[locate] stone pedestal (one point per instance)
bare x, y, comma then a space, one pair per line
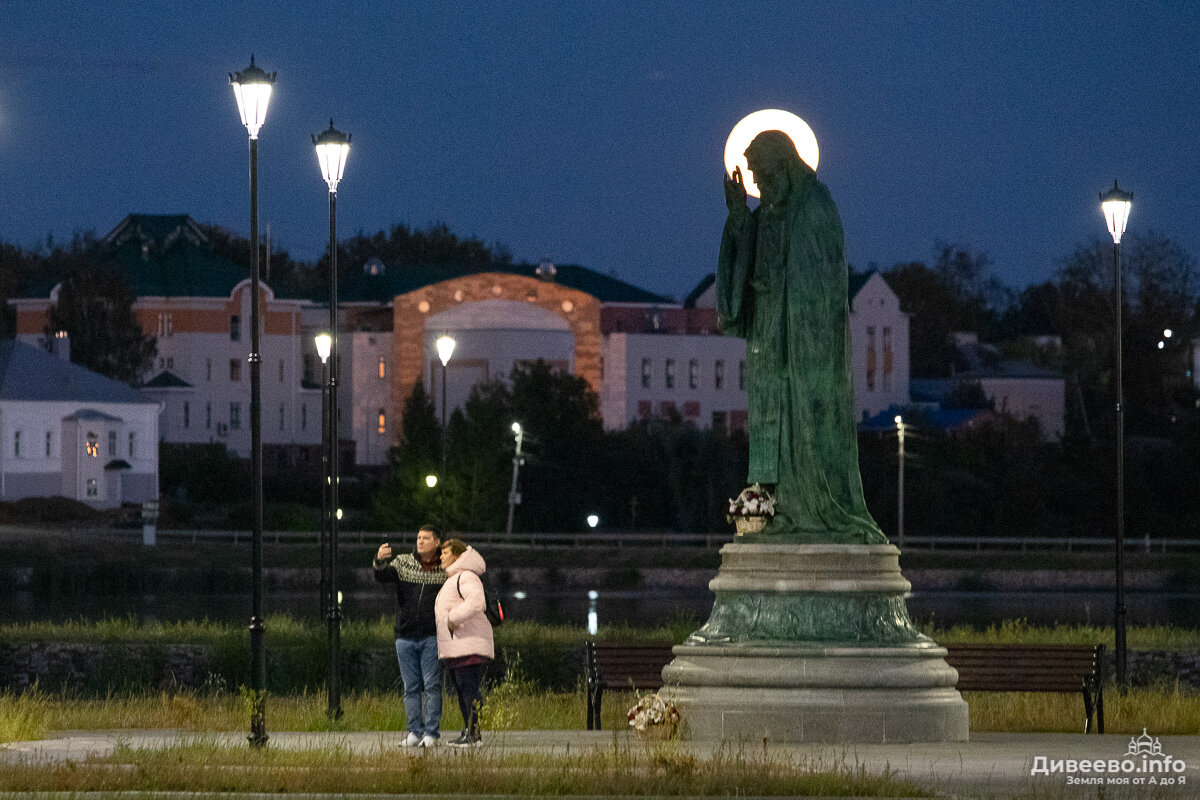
812, 643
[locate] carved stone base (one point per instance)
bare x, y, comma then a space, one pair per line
813, 643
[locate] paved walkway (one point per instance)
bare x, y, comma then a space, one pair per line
991, 764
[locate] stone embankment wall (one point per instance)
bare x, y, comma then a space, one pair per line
99, 668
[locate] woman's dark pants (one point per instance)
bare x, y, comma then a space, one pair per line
467, 682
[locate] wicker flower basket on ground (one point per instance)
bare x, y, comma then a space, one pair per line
750, 524
658, 733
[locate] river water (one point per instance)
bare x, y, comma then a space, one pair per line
603, 607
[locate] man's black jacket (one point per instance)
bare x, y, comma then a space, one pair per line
416, 590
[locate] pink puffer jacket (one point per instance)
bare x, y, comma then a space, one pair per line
472, 634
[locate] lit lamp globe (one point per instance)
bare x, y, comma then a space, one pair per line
769, 119
1116, 204
431, 481
252, 89
324, 344
593, 520
445, 348
516, 427
333, 147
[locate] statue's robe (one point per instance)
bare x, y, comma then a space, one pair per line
782, 285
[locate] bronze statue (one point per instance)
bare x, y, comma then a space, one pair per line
782, 284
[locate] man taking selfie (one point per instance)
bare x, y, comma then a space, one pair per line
418, 576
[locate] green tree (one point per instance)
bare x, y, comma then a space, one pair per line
95, 306
404, 500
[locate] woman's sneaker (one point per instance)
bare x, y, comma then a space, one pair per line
466, 740
412, 740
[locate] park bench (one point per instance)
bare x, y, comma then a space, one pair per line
632, 667
1033, 668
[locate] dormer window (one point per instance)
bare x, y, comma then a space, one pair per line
546, 270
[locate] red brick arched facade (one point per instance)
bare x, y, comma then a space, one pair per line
410, 311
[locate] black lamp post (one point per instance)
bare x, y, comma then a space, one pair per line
252, 88
332, 148
1116, 204
323, 342
445, 349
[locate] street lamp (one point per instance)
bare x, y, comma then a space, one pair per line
323, 343
445, 348
332, 148
593, 520
513, 496
900, 483
431, 481
252, 89
1115, 205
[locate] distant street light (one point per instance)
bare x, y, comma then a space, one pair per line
252, 90
1168, 333
431, 481
900, 483
445, 349
1115, 205
593, 520
513, 496
324, 342
333, 147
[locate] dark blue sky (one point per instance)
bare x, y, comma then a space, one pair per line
592, 133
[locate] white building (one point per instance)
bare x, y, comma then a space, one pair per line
66, 431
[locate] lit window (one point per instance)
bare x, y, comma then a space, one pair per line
382, 421
92, 445
382, 368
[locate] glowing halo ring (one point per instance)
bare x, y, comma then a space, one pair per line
769, 119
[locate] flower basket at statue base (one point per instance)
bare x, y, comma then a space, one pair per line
751, 510
658, 733
654, 718
746, 525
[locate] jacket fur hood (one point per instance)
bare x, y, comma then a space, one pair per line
470, 561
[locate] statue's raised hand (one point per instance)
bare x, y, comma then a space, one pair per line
735, 192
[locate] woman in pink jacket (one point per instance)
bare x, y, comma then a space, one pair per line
464, 635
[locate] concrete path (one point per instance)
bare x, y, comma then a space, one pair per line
992, 764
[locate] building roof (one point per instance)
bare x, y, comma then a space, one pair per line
30, 373
92, 415
162, 255
358, 286
166, 380
701, 287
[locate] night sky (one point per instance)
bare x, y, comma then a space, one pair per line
592, 133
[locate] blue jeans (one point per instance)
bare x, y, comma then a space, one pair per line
422, 674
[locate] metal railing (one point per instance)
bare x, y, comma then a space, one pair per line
622, 539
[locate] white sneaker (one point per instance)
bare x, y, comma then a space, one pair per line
412, 740
430, 741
